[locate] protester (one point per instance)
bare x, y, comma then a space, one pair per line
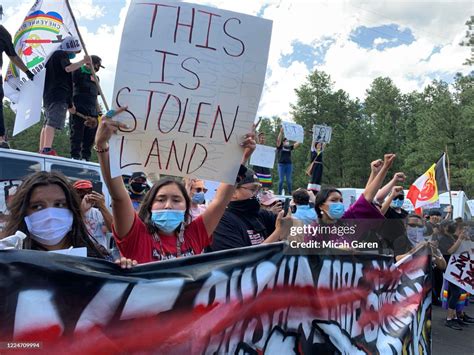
137, 188
264, 174
269, 202
330, 208
57, 95
47, 210
6, 46
285, 166
160, 230
315, 169
244, 223
97, 217
196, 190
85, 110
453, 297
304, 211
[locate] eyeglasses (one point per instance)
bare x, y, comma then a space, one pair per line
254, 190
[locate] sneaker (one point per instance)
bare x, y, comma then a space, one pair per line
466, 319
4, 145
461, 322
453, 324
49, 151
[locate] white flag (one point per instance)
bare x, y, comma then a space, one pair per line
47, 27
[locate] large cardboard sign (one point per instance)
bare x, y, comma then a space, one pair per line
191, 77
263, 156
460, 270
293, 131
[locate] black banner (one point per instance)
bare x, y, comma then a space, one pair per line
244, 301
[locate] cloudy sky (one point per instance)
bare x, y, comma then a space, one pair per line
354, 41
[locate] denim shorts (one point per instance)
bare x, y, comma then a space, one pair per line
55, 114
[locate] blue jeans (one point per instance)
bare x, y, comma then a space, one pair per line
285, 171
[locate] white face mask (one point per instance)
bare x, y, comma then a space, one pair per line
49, 226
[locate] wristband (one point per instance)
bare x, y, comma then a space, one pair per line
110, 113
105, 150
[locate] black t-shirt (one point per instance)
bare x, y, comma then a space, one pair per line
85, 93
6, 45
58, 82
284, 154
233, 232
393, 231
445, 242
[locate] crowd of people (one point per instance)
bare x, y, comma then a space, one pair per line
172, 219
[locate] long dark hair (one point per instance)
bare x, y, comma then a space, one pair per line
321, 198
145, 209
78, 235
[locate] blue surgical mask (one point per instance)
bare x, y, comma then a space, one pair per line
71, 55
336, 210
198, 198
415, 235
167, 220
397, 203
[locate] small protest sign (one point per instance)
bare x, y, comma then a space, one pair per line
460, 270
322, 133
191, 77
263, 156
293, 131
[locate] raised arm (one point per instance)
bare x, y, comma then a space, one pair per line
280, 136
213, 214
122, 207
372, 188
296, 145
384, 191
396, 190
375, 167
74, 66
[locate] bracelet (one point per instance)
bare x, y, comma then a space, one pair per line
110, 114
98, 150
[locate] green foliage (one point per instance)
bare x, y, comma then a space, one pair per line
417, 127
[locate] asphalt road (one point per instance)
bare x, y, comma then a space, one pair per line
447, 341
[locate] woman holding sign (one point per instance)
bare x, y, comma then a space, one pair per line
162, 229
315, 170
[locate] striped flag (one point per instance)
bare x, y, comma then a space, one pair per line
426, 189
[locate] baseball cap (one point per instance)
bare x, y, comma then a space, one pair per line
97, 60
248, 178
138, 174
267, 198
82, 185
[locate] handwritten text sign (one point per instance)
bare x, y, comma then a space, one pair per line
263, 156
322, 133
460, 270
191, 77
293, 131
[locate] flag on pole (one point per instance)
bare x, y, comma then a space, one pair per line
426, 189
47, 27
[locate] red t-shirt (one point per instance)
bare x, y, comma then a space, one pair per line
140, 245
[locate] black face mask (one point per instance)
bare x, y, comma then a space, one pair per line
250, 206
137, 187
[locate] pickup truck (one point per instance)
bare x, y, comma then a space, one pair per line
15, 165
